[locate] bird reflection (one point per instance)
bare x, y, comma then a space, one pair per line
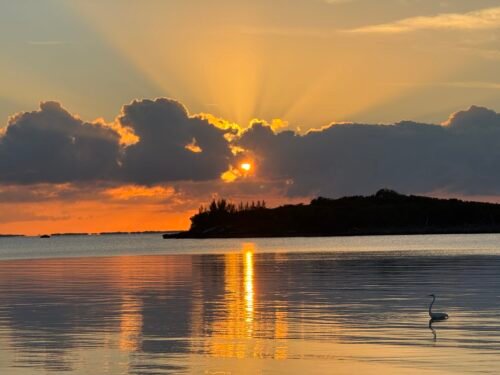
434, 332
432, 329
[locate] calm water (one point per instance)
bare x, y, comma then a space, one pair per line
338, 305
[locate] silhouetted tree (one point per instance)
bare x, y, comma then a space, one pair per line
385, 212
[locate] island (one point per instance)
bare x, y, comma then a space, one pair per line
384, 213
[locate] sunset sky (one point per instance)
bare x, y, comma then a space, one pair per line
124, 115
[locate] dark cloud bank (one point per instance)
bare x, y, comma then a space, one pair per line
52, 146
462, 156
165, 128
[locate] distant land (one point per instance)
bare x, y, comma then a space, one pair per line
136, 232
112, 233
94, 234
384, 213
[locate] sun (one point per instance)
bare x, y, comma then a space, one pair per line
246, 167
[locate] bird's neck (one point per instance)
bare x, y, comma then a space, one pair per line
432, 303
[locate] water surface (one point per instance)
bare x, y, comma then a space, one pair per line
343, 305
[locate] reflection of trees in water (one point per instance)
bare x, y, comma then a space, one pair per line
154, 309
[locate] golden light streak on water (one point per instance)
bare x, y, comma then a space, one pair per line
249, 290
281, 334
130, 324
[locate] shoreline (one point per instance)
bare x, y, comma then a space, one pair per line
383, 213
416, 232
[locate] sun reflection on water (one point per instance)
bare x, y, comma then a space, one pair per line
249, 288
130, 324
240, 326
235, 324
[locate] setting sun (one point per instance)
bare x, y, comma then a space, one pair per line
246, 166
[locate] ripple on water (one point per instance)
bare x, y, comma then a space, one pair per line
251, 310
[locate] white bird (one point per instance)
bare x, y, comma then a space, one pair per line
437, 315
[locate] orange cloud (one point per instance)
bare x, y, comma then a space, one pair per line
231, 175
244, 169
220, 122
128, 192
483, 19
193, 147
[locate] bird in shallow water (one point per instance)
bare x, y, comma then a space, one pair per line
436, 315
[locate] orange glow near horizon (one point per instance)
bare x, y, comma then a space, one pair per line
122, 208
107, 215
127, 192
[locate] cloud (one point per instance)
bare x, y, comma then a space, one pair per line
51, 155
151, 141
461, 156
130, 192
46, 192
50, 145
484, 19
456, 84
475, 120
173, 145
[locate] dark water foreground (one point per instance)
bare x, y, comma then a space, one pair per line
246, 312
